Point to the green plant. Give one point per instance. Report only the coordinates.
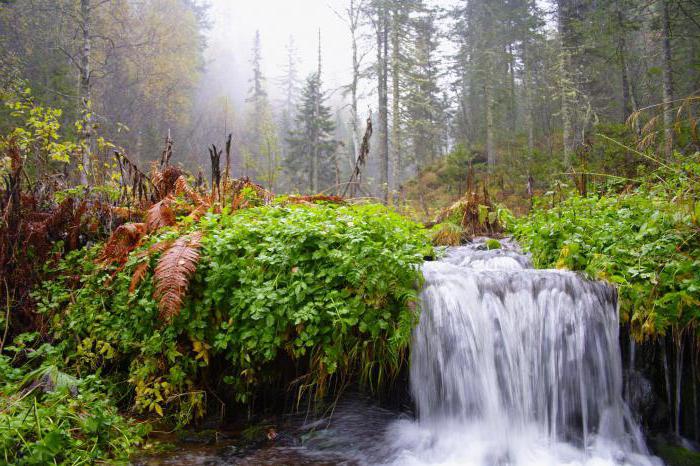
(48, 416)
(645, 240)
(330, 288)
(492, 244)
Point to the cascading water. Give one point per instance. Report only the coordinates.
(512, 365)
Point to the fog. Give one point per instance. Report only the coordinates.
(233, 24)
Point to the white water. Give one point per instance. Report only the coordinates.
(515, 366)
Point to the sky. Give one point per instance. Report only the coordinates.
(233, 26)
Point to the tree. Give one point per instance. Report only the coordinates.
(128, 68)
(664, 6)
(310, 164)
(352, 16)
(289, 83)
(379, 13)
(423, 105)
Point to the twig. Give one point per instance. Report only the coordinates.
(641, 154)
(361, 159)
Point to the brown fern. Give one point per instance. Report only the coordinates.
(182, 187)
(139, 274)
(160, 215)
(141, 269)
(172, 275)
(124, 240)
(166, 179)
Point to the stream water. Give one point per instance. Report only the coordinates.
(509, 366)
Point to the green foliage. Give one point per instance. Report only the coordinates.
(49, 416)
(492, 244)
(646, 241)
(676, 456)
(37, 131)
(330, 288)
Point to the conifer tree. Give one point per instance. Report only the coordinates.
(310, 163)
(423, 100)
(260, 153)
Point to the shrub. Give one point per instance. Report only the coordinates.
(646, 241)
(330, 289)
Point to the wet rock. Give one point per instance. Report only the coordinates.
(641, 396)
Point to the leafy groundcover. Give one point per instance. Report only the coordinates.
(645, 240)
(299, 299)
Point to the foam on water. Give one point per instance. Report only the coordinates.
(515, 366)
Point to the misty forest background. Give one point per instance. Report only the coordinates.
(521, 88)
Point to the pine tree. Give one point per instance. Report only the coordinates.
(258, 111)
(289, 87)
(310, 164)
(423, 100)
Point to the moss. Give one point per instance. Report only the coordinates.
(492, 244)
(676, 456)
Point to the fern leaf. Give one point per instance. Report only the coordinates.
(181, 187)
(141, 269)
(175, 268)
(160, 215)
(124, 240)
(139, 274)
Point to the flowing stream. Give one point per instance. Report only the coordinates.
(509, 366)
(512, 365)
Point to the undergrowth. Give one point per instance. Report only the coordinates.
(50, 417)
(646, 240)
(322, 292)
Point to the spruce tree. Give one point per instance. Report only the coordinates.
(310, 163)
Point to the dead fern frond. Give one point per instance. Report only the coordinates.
(124, 240)
(175, 268)
(182, 187)
(650, 125)
(126, 213)
(141, 269)
(160, 215)
(139, 274)
(447, 234)
(167, 180)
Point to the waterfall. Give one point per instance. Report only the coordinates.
(512, 365)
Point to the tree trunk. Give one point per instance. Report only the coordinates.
(490, 146)
(512, 97)
(622, 55)
(565, 82)
(667, 79)
(317, 111)
(353, 12)
(396, 109)
(382, 88)
(527, 84)
(86, 90)
(626, 96)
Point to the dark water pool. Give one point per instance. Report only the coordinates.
(354, 433)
